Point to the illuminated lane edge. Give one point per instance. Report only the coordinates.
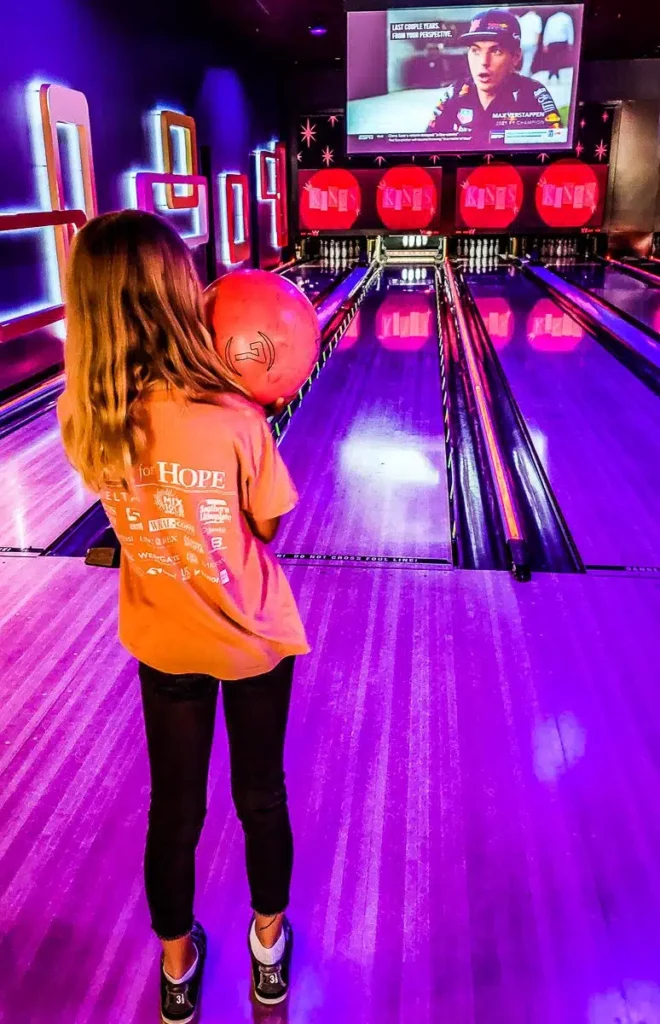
(506, 499)
(343, 293)
(633, 271)
(632, 337)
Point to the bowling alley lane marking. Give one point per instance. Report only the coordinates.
(442, 563)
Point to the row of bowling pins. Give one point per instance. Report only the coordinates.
(557, 246)
(414, 273)
(477, 247)
(333, 249)
(415, 241)
(480, 264)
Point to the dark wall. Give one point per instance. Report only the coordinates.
(125, 72)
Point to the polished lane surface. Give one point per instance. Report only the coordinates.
(313, 278)
(595, 426)
(41, 494)
(366, 448)
(639, 299)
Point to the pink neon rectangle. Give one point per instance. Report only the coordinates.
(144, 187)
(24, 323)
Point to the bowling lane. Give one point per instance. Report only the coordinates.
(312, 278)
(595, 426)
(637, 298)
(366, 447)
(41, 495)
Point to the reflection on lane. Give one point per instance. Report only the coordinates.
(635, 297)
(595, 426)
(366, 448)
(41, 494)
(312, 278)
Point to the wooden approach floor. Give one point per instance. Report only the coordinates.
(474, 774)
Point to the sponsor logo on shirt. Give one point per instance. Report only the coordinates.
(214, 512)
(159, 525)
(161, 559)
(134, 519)
(465, 115)
(157, 570)
(169, 503)
(217, 543)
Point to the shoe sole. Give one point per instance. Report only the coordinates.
(269, 1002)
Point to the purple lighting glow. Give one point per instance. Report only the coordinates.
(317, 30)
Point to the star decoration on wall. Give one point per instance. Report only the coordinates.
(434, 158)
(488, 157)
(601, 150)
(579, 149)
(380, 160)
(606, 116)
(542, 157)
(333, 119)
(299, 157)
(582, 123)
(308, 133)
(327, 156)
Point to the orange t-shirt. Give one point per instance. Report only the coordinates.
(198, 591)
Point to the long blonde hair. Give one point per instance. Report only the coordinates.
(134, 319)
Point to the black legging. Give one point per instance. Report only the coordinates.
(179, 714)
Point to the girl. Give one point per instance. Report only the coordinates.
(193, 485)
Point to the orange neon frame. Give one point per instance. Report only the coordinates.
(171, 119)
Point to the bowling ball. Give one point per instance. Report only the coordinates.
(265, 331)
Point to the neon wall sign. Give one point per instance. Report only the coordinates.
(60, 122)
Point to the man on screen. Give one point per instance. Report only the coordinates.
(495, 97)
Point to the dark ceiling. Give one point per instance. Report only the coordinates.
(613, 28)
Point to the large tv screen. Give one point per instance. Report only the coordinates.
(463, 79)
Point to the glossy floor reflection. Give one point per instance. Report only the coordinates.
(637, 298)
(473, 770)
(41, 494)
(599, 424)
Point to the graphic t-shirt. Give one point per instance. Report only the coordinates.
(198, 591)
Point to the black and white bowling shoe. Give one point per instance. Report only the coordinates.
(270, 984)
(179, 1002)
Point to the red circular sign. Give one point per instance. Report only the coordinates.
(549, 329)
(491, 196)
(405, 321)
(497, 316)
(567, 194)
(330, 201)
(406, 199)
